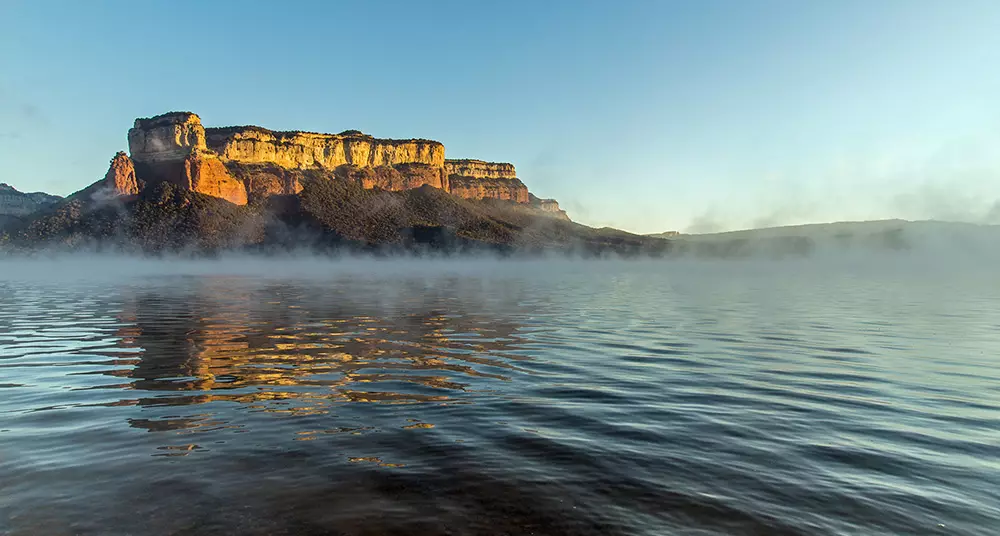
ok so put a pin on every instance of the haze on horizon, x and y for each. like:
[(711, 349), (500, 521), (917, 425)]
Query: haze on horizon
[(646, 116)]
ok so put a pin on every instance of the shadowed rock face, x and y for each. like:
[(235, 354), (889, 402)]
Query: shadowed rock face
[(207, 174), (264, 181), (488, 188)]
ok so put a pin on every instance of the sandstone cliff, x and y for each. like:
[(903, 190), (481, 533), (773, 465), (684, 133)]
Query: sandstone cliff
[(475, 179), (486, 188), (245, 163), (478, 168), (255, 145)]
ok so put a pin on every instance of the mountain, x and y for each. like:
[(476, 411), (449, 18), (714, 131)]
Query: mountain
[(800, 240), (186, 187), (15, 203)]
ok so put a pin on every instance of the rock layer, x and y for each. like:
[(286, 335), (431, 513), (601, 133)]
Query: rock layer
[(255, 145), (485, 188), (476, 179), (166, 138), (480, 169), (241, 163)]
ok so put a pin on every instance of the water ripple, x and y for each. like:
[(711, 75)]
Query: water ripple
[(594, 398)]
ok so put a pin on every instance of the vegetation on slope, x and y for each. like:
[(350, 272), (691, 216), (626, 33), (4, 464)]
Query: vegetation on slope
[(329, 214)]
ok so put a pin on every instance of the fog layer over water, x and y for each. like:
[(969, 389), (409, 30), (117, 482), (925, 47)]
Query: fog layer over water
[(852, 395)]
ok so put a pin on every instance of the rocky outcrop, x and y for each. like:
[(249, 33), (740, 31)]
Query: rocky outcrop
[(244, 163), (548, 206), (394, 178), (15, 203), (484, 188), (120, 179), (205, 173), (476, 179), (171, 148), (169, 137), (261, 182)]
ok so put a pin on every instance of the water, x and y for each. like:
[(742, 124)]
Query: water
[(543, 397)]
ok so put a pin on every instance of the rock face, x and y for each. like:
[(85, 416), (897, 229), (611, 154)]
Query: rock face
[(166, 138), (475, 179), (15, 203), (204, 172), (480, 169), (245, 163), (394, 178), (484, 188), (262, 182), (301, 150), (171, 148), (548, 206), (120, 179)]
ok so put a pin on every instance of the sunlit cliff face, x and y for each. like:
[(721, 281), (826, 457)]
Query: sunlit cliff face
[(221, 162)]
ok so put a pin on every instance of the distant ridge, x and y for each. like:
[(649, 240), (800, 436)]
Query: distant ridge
[(811, 229), (807, 239)]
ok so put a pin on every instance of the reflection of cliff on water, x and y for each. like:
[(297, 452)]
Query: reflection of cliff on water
[(299, 348)]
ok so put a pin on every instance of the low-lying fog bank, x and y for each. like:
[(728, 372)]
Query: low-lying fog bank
[(946, 259)]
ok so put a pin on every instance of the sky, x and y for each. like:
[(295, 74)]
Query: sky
[(649, 116)]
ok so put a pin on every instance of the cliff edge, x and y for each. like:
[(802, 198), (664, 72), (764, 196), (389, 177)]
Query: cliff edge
[(244, 163)]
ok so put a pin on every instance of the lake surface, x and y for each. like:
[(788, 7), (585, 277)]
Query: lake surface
[(499, 397)]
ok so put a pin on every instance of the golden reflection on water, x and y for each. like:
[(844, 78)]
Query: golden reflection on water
[(285, 351)]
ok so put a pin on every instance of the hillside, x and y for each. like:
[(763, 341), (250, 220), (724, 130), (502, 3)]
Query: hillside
[(800, 240), (328, 214), (14, 203)]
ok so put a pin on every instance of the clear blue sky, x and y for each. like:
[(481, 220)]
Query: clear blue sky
[(646, 115)]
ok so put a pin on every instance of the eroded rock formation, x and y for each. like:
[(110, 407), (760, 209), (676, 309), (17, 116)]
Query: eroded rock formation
[(485, 188), (245, 163), (120, 179), (166, 138), (204, 172)]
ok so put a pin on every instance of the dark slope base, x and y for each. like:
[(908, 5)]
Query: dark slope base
[(328, 216)]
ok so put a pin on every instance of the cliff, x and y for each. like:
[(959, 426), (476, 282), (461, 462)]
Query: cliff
[(255, 145), (478, 168), (240, 164), (475, 179)]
